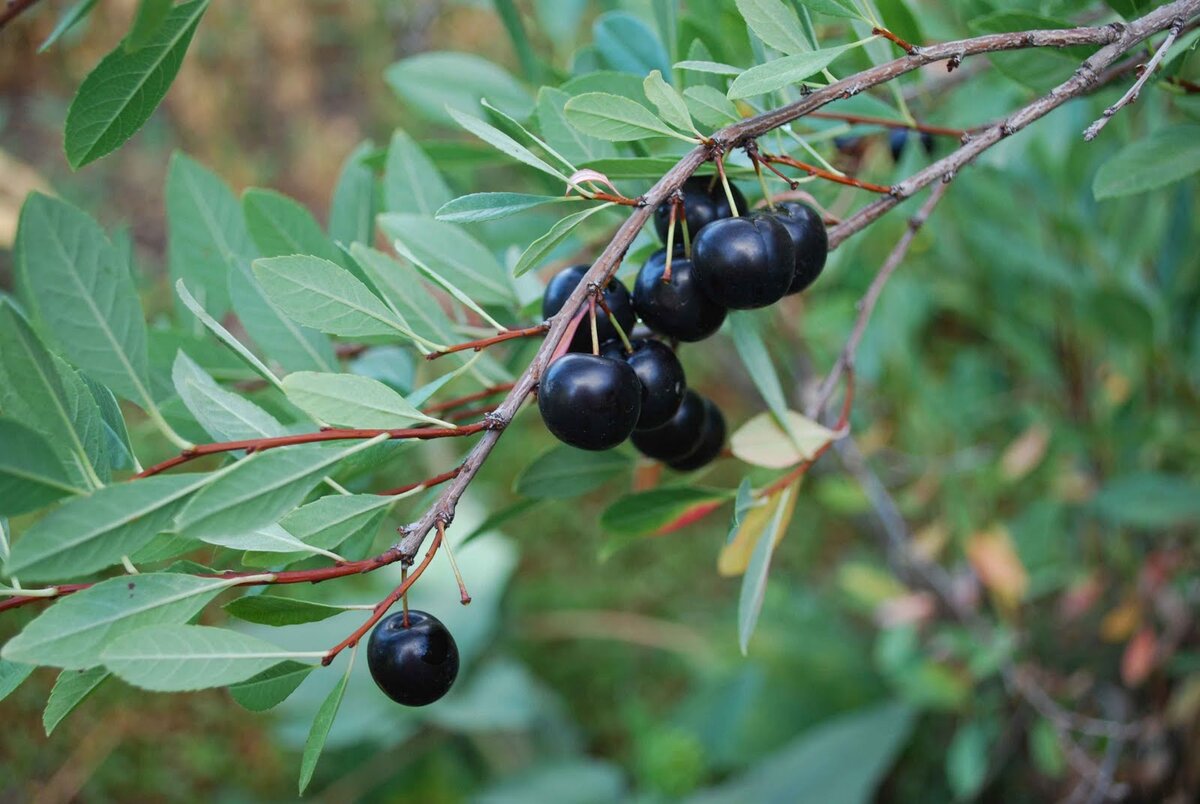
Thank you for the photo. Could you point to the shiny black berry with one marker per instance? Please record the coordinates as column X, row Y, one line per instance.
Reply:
column 616, row 296
column 413, row 665
column 744, row 263
column 898, row 138
column 680, row 436
column 710, row 443
column 677, row 308
column 704, row 201
column 661, row 376
column 590, row 402
column 808, row 234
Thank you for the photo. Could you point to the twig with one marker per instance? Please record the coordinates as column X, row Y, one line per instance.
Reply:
column 821, row 173
column 13, row 9
column 1131, row 95
column 436, row 480
column 866, row 306
column 907, row 47
column 469, row 398
column 867, row 120
column 483, row 343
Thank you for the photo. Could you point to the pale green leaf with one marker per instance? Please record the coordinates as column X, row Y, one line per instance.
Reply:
column 627, row 44
column 292, row 345
column 178, row 658
column 279, row 611
column 70, row 690
column 66, row 21
column 326, row 523
column 573, row 144
column 12, row 675
column 352, row 401
column 478, row 207
column 453, row 254
column 31, row 474
column 224, row 415
column 271, row 687
column 421, row 82
column 223, row 334
column 540, row 249
column 709, row 105
column 281, row 226
column 785, row 72
column 267, row 539
column 611, row 117
column 669, row 103
column 411, row 183
column 322, row 723
column 775, row 24
column 565, row 472
column 1162, row 157
column 754, row 580
column 504, row 143
column 710, row 67
column 352, row 210
column 748, row 340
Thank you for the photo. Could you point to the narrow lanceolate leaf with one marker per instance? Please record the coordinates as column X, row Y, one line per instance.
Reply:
column 224, row 415
column 493, row 206
column 453, row 254
column 12, row 675
column 710, row 67
column 280, row 226
column 754, row 582
column 125, row 88
column 31, row 475
column 644, row 513
column 499, row 114
column 352, row 401
column 611, row 117
column 66, row 21
column 669, row 103
column 411, row 183
column 267, row 539
column 84, row 295
column 539, row 250
column 46, row 396
column 206, row 235
column 325, row 296
column 504, row 143
column 1150, row 162
column 454, row 290
column 322, row 723
column 762, row 442
column 224, row 335
column 259, row 489
column 177, row 658
column 326, row 523
column 149, row 19
column 271, row 687
column 573, row 144
column 118, row 447
column 90, row 533
column 291, row 344
column 279, row 611
column 748, row 340
column 784, row 72
column 70, row 690
column 565, row 472
column 775, row 24
column 709, row 105
column 72, row 633
column 352, row 211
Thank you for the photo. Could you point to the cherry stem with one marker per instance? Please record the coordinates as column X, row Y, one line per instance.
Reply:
column 404, row 597
column 687, row 235
column 907, row 47
column 463, row 596
column 676, row 203
column 868, row 120
column 733, row 210
column 592, row 315
column 616, row 324
column 821, row 173
column 752, row 152
column 423, row 484
column 483, row 343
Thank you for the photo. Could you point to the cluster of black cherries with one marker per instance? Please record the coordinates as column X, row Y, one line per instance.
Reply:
column 637, row 389
column 596, row 401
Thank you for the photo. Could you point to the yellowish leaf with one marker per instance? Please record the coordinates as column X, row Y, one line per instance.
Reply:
column 735, row 556
column 762, row 442
column 1120, row 623
column 998, row 566
column 1025, row 453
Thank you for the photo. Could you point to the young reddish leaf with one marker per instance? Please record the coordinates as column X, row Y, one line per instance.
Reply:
column 1140, row 657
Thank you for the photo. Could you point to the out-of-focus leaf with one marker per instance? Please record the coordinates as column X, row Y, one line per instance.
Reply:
column 761, row 441
column 564, row 472
column 66, row 22
column 411, row 183
column 352, row 210
column 995, row 561
column 644, row 513
column 323, row 722
column 1158, row 159
column 626, row 43
column 754, row 580
column 1149, row 500
column 11, row 676
column 421, row 82
column 70, row 690
column 967, row 759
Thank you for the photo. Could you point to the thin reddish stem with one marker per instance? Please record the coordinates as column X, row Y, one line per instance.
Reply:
column 261, row 444
column 382, row 607
column 821, row 173
column 483, row 343
column 598, row 195
column 423, row 484
column 867, row 120
column 469, row 398
column 907, row 47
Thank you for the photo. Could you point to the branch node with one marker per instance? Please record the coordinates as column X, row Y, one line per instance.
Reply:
column 494, row 420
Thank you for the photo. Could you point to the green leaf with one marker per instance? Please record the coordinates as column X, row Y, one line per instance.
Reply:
column 259, row 489
column 564, row 472
column 502, row 117
column 754, row 580
column 352, row 210
column 72, row 633
column 326, row 523
column 574, row 145
column 432, row 275
column 540, row 249
column 70, row 690
column 478, row 207
column 644, row 513
column 497, row 518
column 271, row 687
column 669, row 103
column 90, row 533
column 625, row 43
column 840, row 761
column 711, row 67
column 279, row 611
column 85, row 296
column 66, row 21
column 836, row 8
column 224, row 415
column 322, row 723
column 223, row 334
column 281, row 226
column 352, row 401
column 611, row 117
column 118, row 447
column 179, row 658
column 784, row 72
column 147, row 22
column 710, row 106
column 421, row 82
column 967, row 760
column 411, row 183
column 122, row 92
column 293, row 346
column 206, row 233
column 775, row 24
column 1149, row 500
column 325, row 296
column 12, row 675
column 504, row 143
column 748, row 340
column 31, row 475
column 1161, row 158
column 453, row 254
column 267, row 539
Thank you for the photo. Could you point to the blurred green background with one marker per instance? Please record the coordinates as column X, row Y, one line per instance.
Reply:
column 1032, row 377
